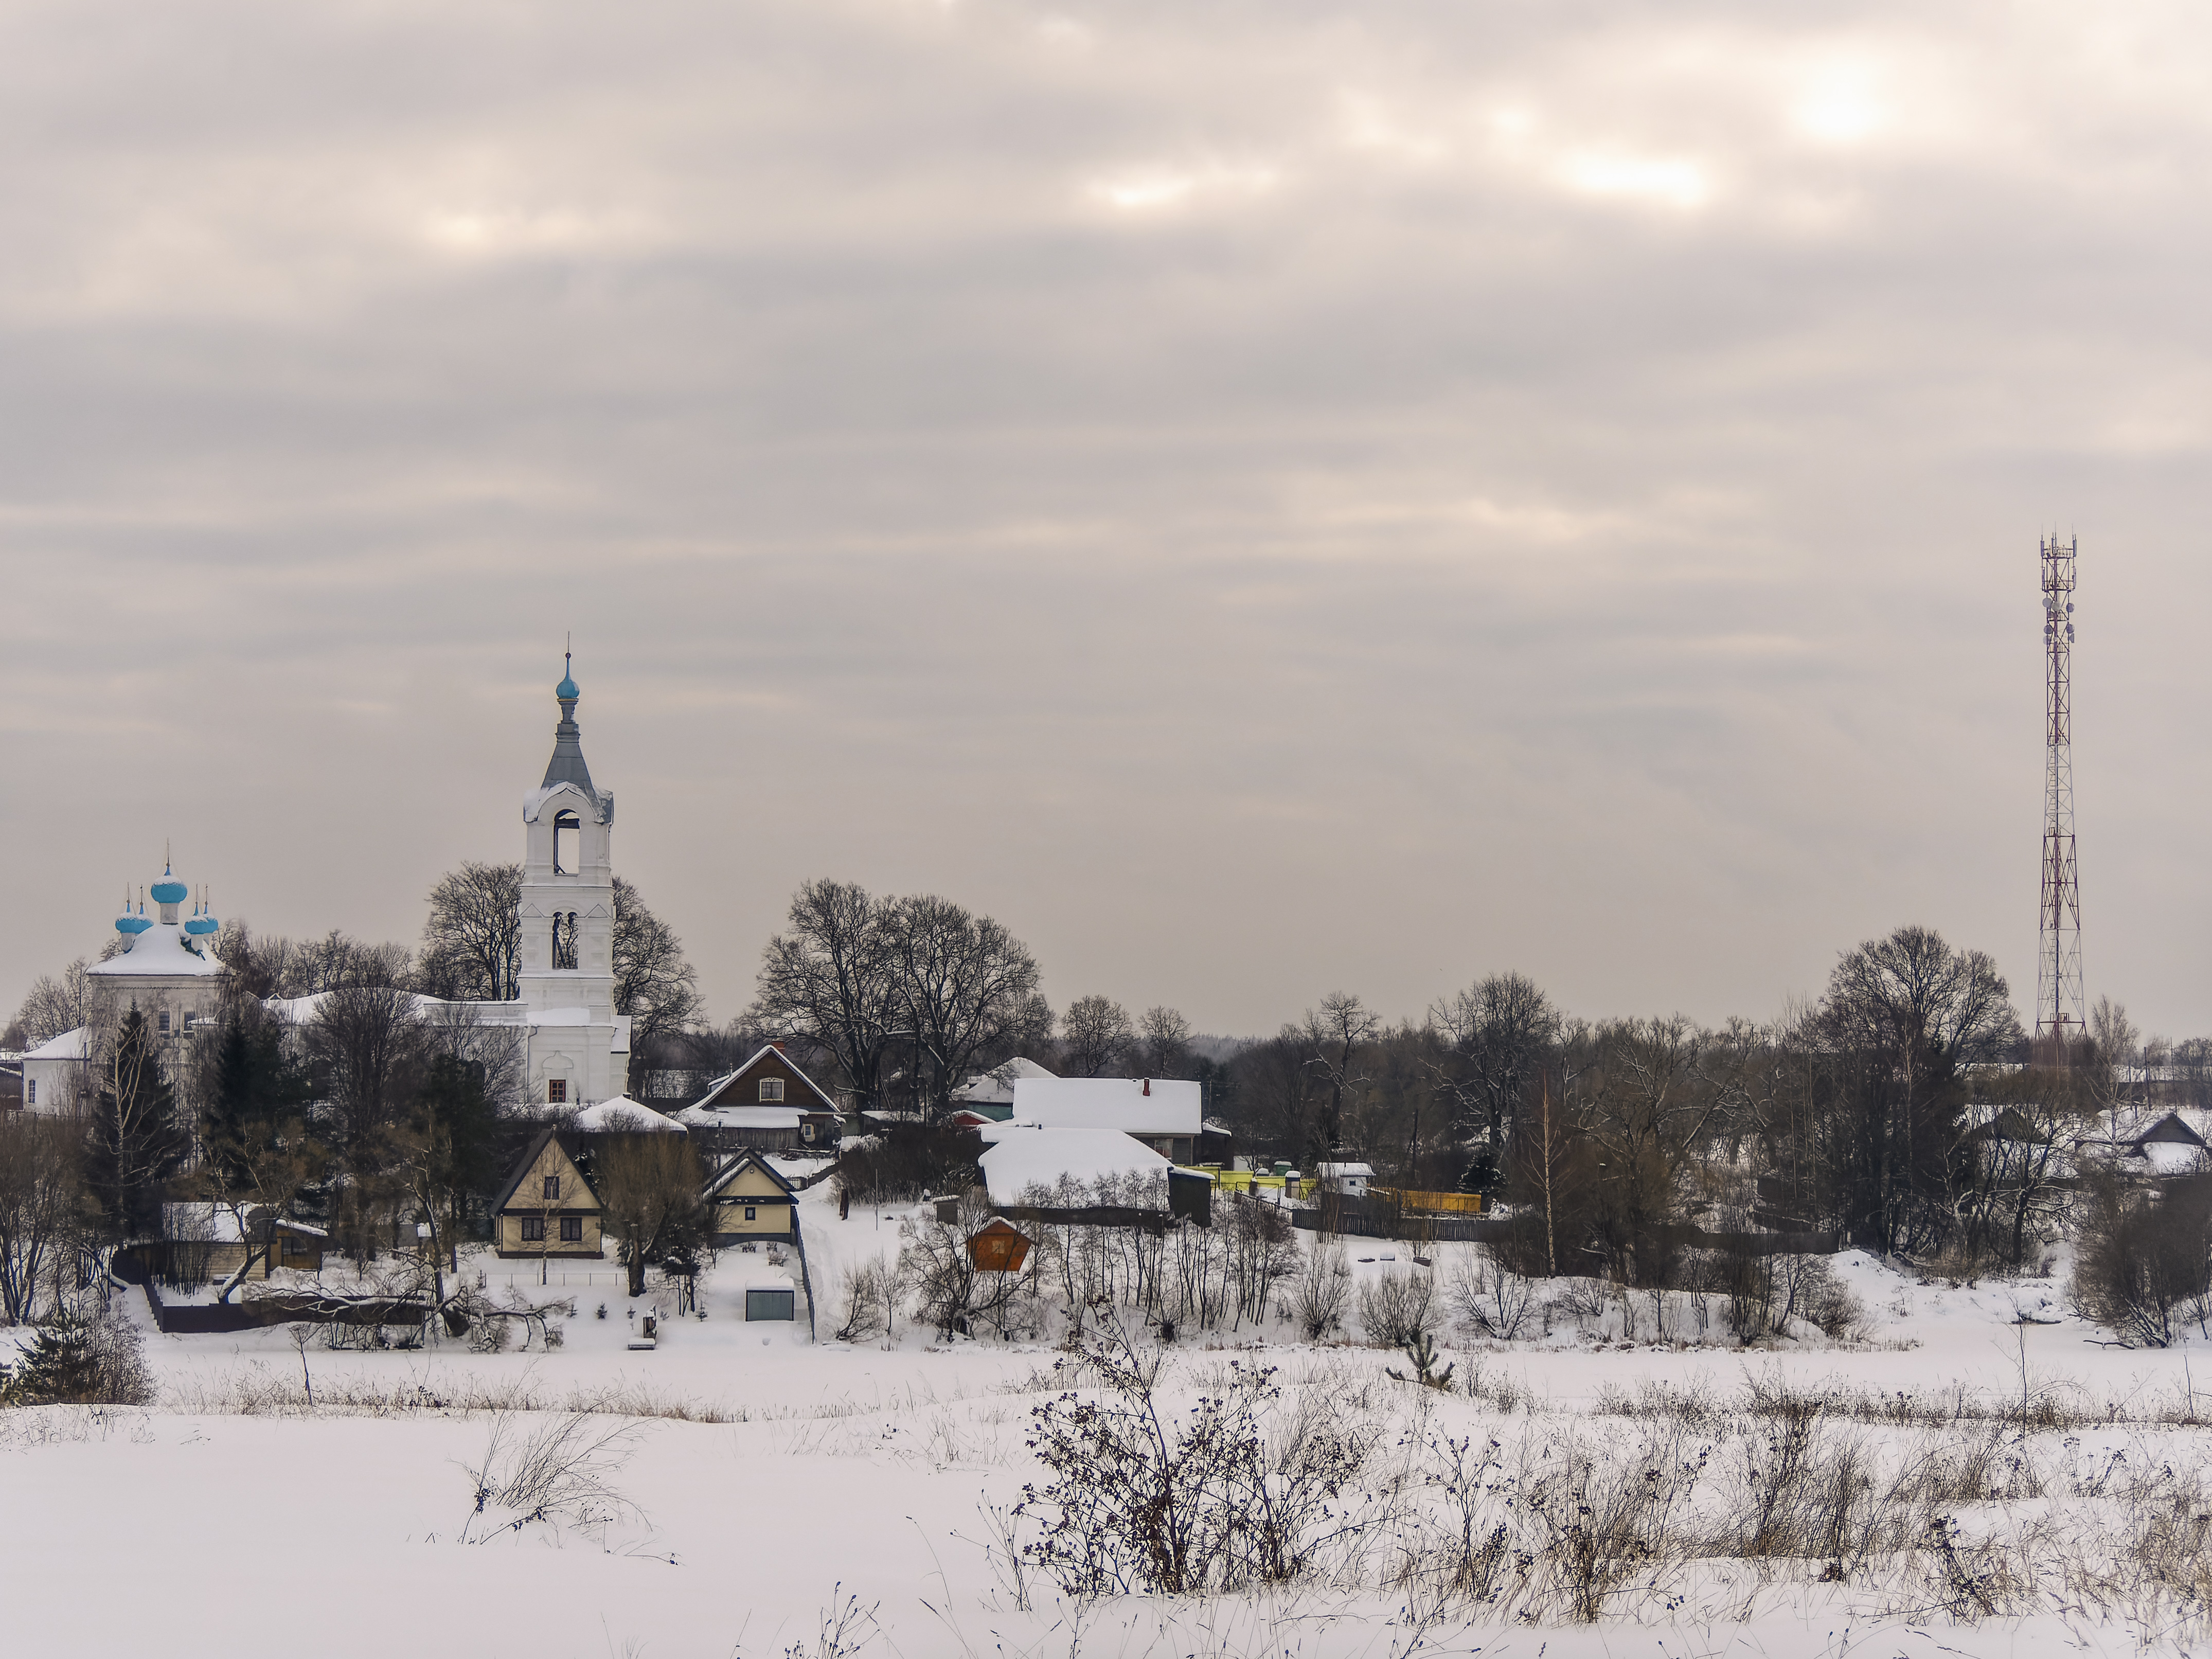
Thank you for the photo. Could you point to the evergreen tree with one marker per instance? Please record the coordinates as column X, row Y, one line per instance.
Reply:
column 254, row 1089
column 73, row 1360
column 136, row 1142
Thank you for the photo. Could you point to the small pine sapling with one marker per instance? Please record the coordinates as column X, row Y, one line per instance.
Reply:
column 1422, row 1352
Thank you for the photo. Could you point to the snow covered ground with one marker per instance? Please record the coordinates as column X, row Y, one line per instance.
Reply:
column 767, row 1486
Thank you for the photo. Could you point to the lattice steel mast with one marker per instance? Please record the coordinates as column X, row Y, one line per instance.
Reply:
column 2058, row 1007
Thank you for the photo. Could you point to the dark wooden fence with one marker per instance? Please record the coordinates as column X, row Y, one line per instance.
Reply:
column 207, row 1319
column 1382, row 1221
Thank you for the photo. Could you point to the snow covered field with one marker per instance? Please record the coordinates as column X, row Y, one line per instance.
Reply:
column 759, row 1487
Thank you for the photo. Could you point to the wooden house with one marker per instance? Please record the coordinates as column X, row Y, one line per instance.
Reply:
column 768, row 1105
column 547, row 1208
column 212, row 1240
column 747, row 1200
column 2172, row 1130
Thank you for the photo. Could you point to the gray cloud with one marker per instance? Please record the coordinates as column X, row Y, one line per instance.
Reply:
column 1261, row 498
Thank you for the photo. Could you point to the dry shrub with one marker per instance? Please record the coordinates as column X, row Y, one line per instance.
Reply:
column 1321, row 1291
column 864, row 1297
column 1489, row 1297
column 1148, row 1498
column 559, row 1473
column 2139, row 1253
column 1397, row 1309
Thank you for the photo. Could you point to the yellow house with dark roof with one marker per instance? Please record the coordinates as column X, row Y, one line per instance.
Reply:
column 547, row 1207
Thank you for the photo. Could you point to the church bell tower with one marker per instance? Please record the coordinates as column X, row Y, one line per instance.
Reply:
column 567, row 921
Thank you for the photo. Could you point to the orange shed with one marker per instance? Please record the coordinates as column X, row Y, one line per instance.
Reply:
column 999, row 1247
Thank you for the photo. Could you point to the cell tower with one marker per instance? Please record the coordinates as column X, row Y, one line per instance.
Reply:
column 2058, row 1007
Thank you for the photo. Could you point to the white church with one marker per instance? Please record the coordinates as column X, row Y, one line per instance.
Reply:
column 577, row 1046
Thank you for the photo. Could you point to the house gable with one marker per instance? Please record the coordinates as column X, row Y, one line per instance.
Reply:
column 547, row 1156
column 748, row 1180
column 742, row 1087
column 2170, row 1129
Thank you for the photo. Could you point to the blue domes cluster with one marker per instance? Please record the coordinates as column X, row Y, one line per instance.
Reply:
column 168, row 894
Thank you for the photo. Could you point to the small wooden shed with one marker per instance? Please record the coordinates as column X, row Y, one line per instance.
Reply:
column 999, row 1247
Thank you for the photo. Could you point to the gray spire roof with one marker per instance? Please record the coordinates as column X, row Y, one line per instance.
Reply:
column 566, row 765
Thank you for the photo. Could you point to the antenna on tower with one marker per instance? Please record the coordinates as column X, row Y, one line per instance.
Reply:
column 2059, row 1012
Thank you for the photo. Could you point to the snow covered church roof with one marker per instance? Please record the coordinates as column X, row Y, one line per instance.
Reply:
column 160, row 951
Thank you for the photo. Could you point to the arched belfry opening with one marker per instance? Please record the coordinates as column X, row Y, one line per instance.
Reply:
column 568, row 844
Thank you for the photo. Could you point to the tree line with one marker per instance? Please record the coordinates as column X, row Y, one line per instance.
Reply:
column 1899, row 1109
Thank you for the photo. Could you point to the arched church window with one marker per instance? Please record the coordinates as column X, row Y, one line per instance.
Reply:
column 568, row 842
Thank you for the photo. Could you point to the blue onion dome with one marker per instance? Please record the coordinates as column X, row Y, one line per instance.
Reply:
column 201, row 925
column 566, row 691
column 168, row 891
column 130, row 924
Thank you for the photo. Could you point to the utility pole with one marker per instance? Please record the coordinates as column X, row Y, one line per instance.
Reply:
column 2059, row 1012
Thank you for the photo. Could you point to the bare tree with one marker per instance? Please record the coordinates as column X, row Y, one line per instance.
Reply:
column 366, row 1045
column 1334, row 1034
column 56, row 1003
column 472, row 941
column 1163, row 1048
column 831, row 981
column 654, row 985
column 1096, row 1033
column 2114, row 1054
column 1497, row 1033
column 42, row 1204
column 1645, row 1106
column 967, row 991
column 649, row 1192
column 1902, row 1018
column 271, row 965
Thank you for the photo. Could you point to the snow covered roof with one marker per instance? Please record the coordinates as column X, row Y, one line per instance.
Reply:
column 1135, row 1106
column 160, row 952
column 2170, row 1157
column 741, row 1117
column 1027, row 1156
column 216, row 1223
column 996, row 1087
column 623, row 1115
column 1340, row 1170
column 69, row 1045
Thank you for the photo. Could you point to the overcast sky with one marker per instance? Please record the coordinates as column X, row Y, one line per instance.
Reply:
column 1261, row 498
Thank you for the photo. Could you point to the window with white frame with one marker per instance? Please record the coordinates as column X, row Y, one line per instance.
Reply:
column 771, row 1088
